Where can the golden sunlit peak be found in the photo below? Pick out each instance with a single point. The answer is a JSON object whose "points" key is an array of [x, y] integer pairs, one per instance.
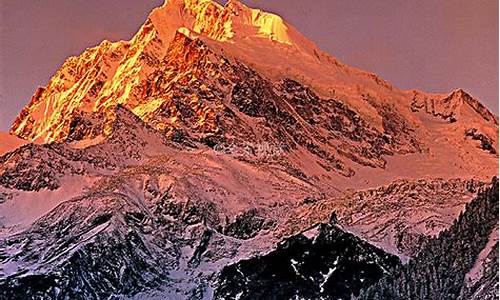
{"points": [[223, 23]]}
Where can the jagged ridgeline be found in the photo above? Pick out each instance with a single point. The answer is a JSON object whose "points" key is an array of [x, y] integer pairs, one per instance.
{"points": [[439, 270]]}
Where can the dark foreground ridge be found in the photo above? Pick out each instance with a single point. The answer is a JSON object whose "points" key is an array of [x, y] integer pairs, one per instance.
{"points": [[333, 264]]}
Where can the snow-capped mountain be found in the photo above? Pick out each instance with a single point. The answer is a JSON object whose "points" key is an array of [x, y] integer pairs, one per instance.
{"points": [[220, 154], [189, 55]]}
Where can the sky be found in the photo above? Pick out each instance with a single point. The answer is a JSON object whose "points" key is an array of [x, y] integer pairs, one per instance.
{"points": [[431, 45]]}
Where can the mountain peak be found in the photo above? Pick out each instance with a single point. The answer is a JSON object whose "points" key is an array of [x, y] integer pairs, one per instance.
{"points": [[265, 24], [453, 106], [221, 23]]}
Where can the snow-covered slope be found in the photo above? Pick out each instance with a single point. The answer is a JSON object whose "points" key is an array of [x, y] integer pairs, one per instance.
{"points": [[164, 218], [442, 270]]}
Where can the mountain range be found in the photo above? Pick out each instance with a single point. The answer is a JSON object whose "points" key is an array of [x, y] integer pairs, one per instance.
{"points": [[220, 154]]}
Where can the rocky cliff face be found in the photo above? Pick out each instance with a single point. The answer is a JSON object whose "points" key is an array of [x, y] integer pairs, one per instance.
{"points": [[117, 73], [218, 139]]}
